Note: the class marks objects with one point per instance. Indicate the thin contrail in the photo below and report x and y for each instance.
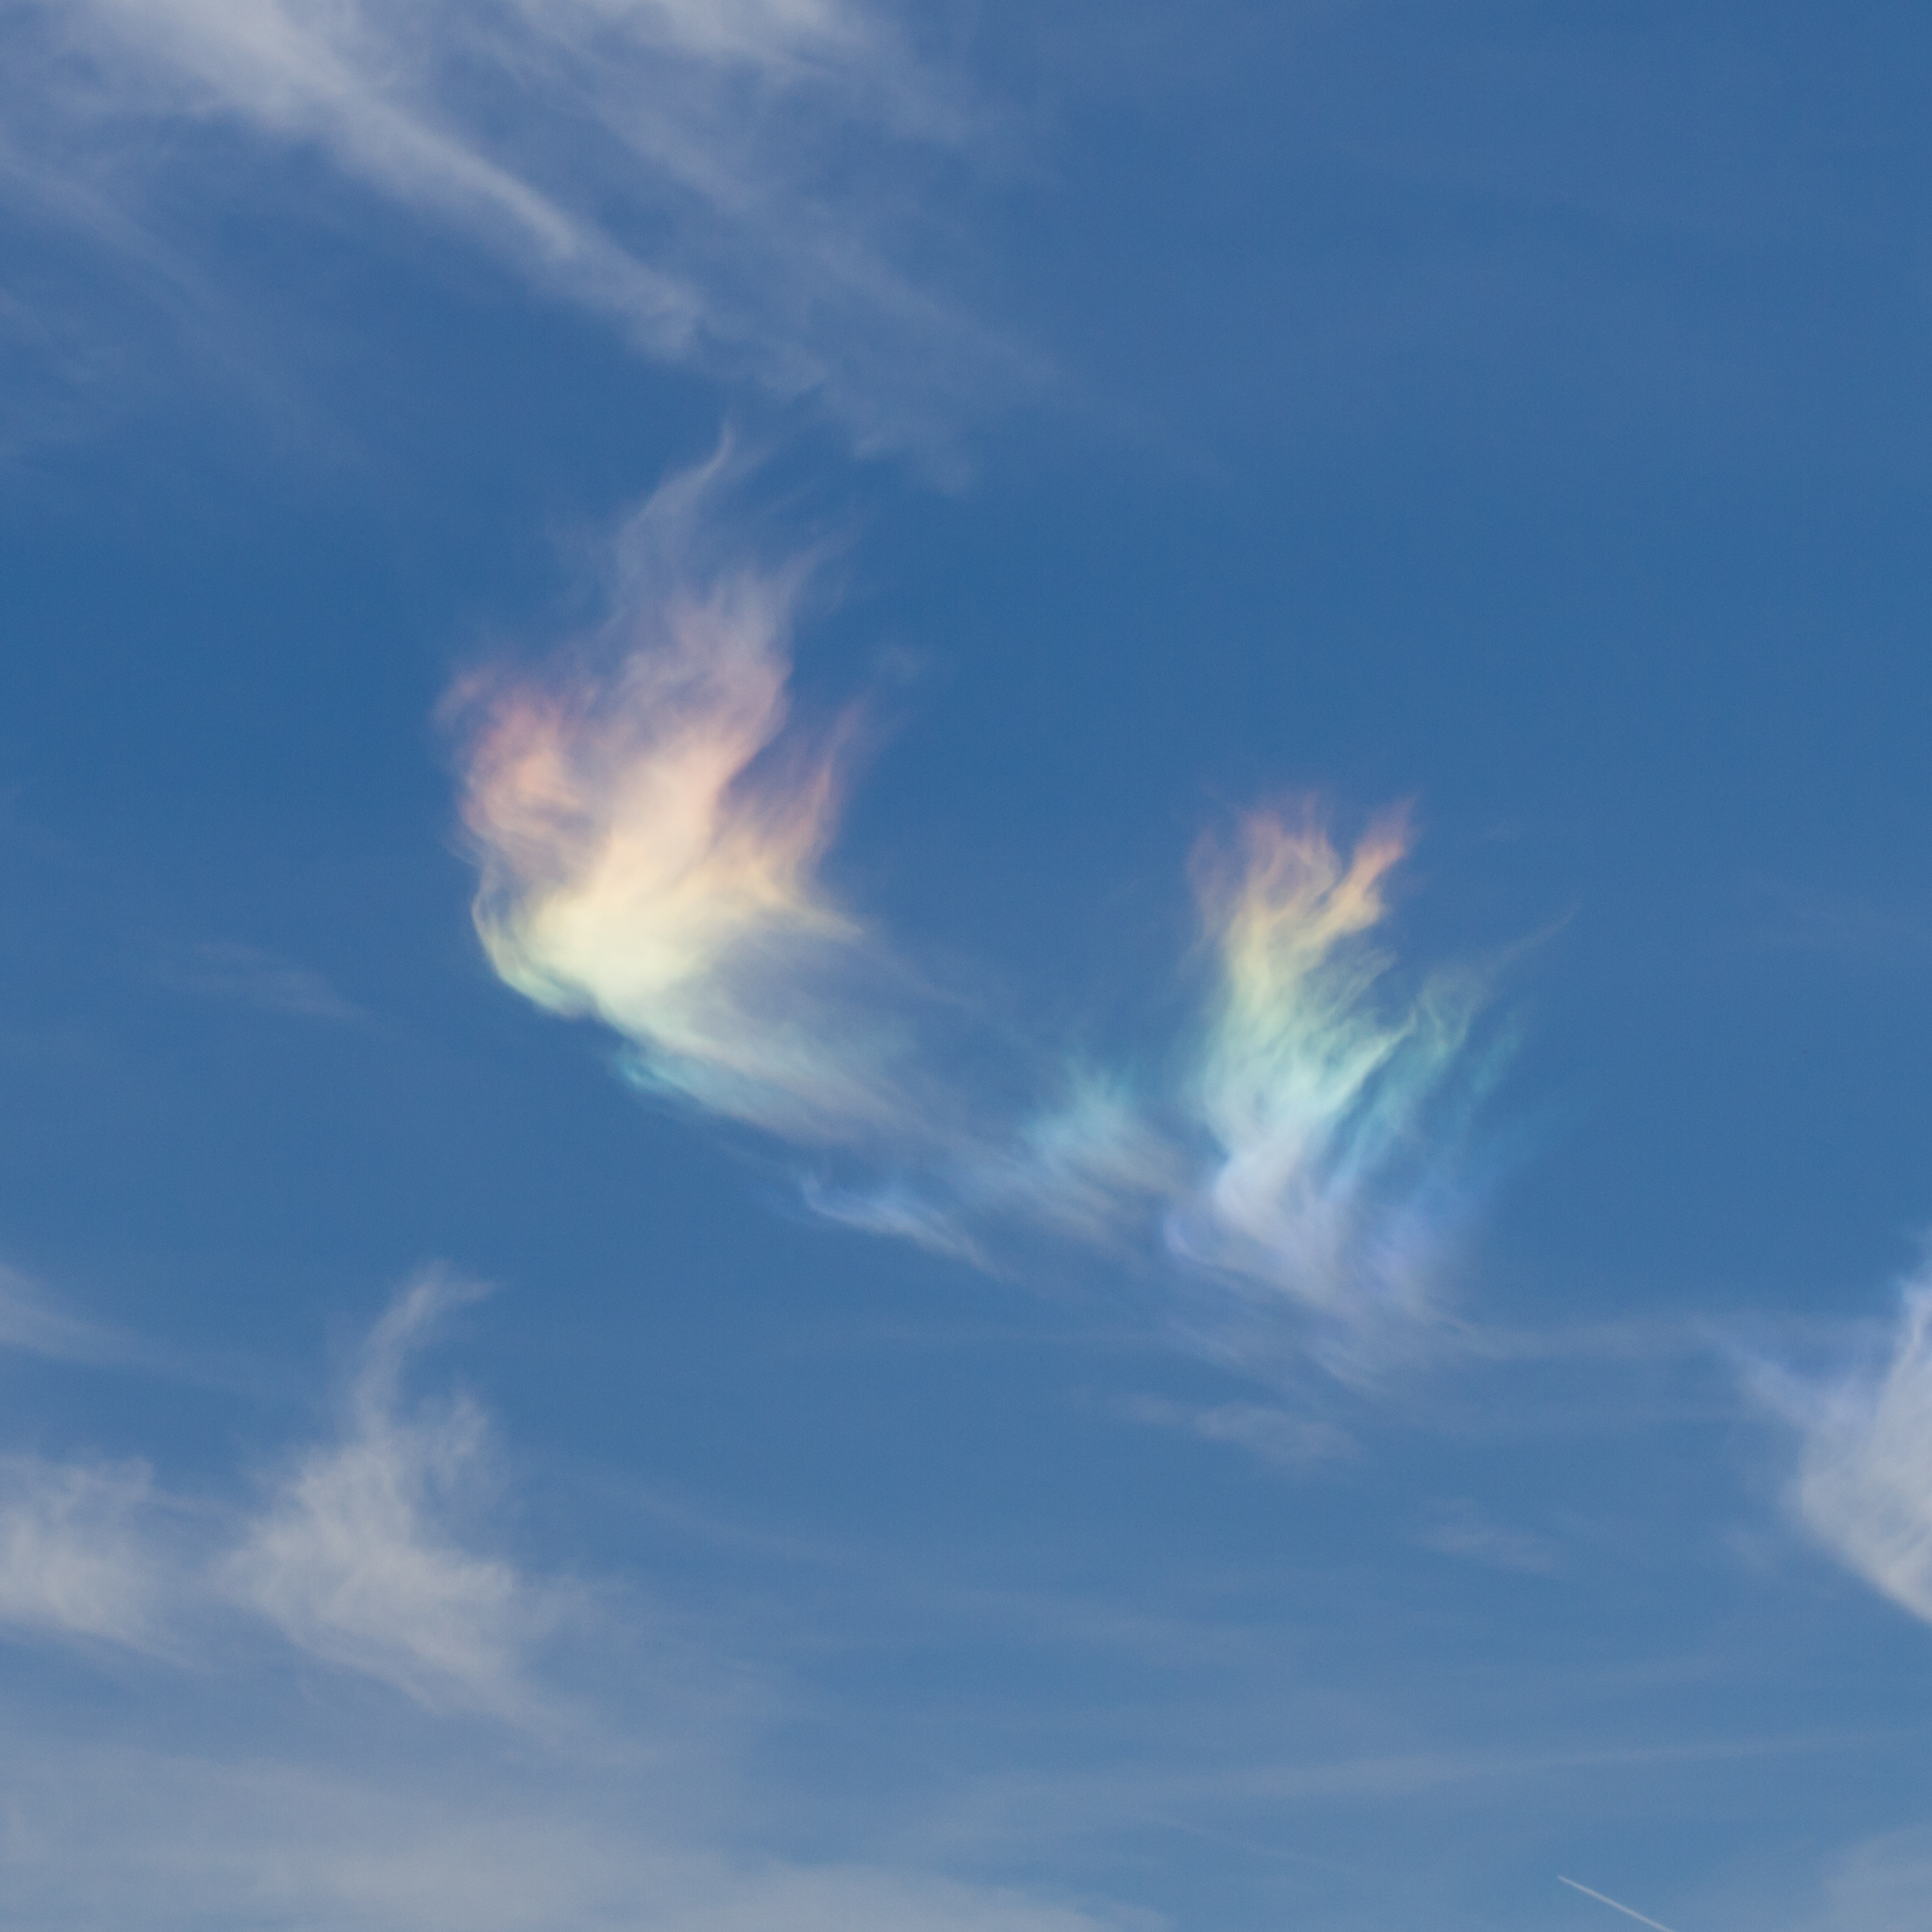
(1612, 1904)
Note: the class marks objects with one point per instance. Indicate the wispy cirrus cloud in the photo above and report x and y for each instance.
(78, 1554)
(650, 826)
(278, 1798)
(1862, 1487)
(352, 1559)
(1274, 1435)
(735, 187)
(363, 1555)
(351, 1551)
(1461, 1530)
(1879, 1886)
(252, 975)
(37, 1323)
(1892, 933)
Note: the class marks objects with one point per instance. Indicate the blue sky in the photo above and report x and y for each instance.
(964, 967)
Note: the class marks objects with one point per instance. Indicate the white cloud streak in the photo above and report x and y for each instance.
(251, 976)
(1880, 1886)
(716, 181)
(353, 1553)
(33, 1321)
(1274, 1436)
(1461, 1530)
(76, 1557)
(351, 1560)
(1864, 1484)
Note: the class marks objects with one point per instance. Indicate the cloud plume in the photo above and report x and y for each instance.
(649, 825)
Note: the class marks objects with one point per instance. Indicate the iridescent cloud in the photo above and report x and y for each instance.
(1316, 1096)
(649, 847)
(650, 825)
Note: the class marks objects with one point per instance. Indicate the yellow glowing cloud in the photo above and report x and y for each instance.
(649, 846)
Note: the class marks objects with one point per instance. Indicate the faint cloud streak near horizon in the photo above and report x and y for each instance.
(650, 825)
